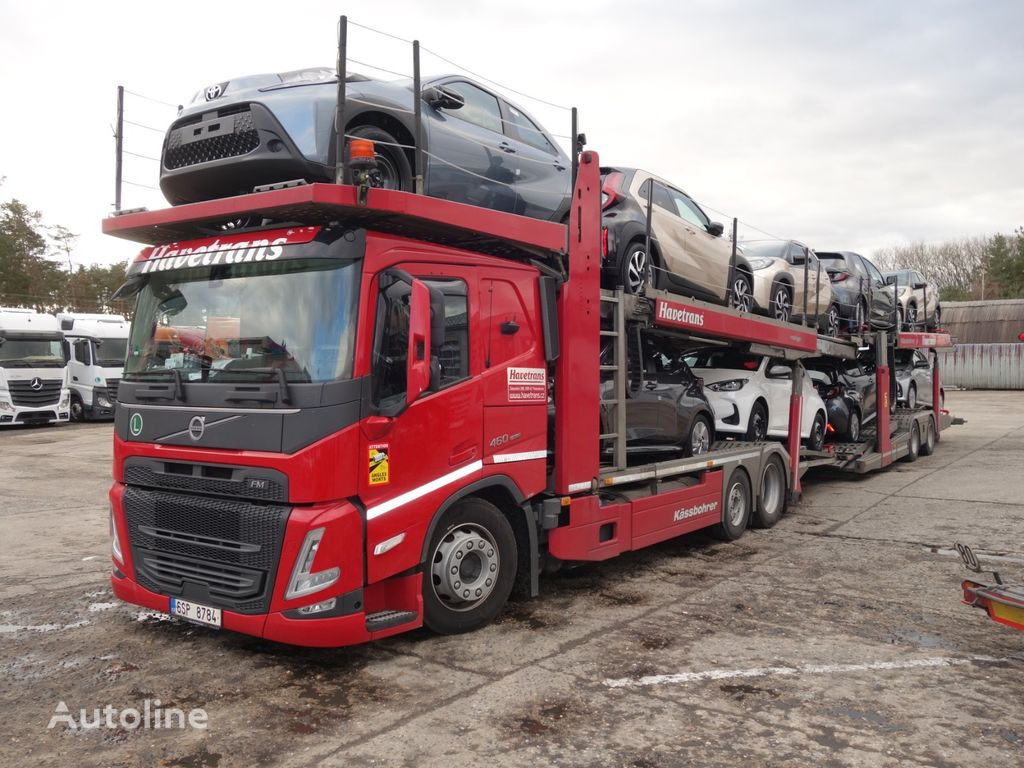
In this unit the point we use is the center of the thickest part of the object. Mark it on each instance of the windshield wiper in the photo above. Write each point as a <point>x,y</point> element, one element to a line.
<point>278,373</point>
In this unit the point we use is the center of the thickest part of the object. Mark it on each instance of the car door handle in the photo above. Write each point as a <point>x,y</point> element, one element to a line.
<point>505,147</point>
<point>691,231</point>
<point>559,167</point>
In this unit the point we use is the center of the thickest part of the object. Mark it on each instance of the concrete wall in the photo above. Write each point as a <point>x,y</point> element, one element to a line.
<point>983,366</point>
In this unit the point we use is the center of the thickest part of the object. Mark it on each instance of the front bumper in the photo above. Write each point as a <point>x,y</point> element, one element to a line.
<point>732,410</point>
<point>46,414</point>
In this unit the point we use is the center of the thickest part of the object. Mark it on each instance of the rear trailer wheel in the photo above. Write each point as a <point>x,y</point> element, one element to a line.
<point>914,447</point>
<point>736,506</point>
<point>699,441</point>
<point>771,500</point>
<point>816,440</point>
<point>757,425</point>
<point>392,162</point>
<point>928,445</point>
<point>471,567</point>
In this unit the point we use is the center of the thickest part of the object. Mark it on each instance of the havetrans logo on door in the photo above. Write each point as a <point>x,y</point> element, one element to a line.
<point>135,424</point>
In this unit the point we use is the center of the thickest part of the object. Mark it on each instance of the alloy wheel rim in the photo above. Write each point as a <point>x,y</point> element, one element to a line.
<point>741,298</point>
<point>912,397</point>
<point>781,304</point>
<point>854,427</point>
<point>911,317</point>
<point>464,567</point>
<point>636,270</point>
<point>760,426</point>
<point>700,441</point>
<point>833,322</point>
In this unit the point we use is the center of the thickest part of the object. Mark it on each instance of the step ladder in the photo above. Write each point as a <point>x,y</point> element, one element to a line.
<point>620,372</point>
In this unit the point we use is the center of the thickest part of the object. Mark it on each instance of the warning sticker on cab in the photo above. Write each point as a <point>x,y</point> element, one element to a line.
<point>527,385</point>
<point>379,469</point>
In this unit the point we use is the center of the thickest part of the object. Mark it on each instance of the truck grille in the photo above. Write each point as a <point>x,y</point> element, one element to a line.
<point>23,394</point>
<point>181,153</point>
<point>207,479</point>
<point>112,389</point>
<point>219,552</point>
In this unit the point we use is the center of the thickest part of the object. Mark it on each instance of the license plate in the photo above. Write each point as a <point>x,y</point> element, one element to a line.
<point>203,614</point>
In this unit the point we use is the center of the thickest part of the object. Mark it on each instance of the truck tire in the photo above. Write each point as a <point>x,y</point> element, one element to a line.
<point>914,446</point>
<point>470,569</point>
<point>928,444</point>
<point>736,506</point>
<point>771,499</point>
<point>77,408</point>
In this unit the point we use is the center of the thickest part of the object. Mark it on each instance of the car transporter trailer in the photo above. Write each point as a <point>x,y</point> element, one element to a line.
<point>186,503</point>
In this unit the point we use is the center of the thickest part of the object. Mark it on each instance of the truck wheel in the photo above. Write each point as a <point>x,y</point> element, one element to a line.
<point>757,425</point>
<point>471,567</point>
<point>736,506</point>
<point>914,448</point>
<point>77,408</point>
<point>771,501</point>
<point>928,445</point>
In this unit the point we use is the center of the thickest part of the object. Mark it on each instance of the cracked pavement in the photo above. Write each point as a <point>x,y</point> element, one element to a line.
<point>834,639</point>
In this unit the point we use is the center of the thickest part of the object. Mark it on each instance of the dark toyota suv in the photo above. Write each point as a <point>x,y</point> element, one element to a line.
<point>267,129</point>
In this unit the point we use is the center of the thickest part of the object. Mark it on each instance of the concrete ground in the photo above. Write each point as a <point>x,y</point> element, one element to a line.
<point>835,639</point>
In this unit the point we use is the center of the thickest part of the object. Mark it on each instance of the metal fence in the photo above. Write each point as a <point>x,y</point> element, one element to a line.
<point>983,366</point>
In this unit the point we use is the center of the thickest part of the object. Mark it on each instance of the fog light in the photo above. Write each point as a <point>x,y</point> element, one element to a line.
<point>323,605</point>
<point>304,581</point>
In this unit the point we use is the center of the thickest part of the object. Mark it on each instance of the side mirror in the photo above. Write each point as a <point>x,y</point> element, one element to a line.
<point>418,360</point>
<point>890,280</point>
<point>779,372</point>
<point>919,286</point>
<point>440,97</point>
<point>716,228</point>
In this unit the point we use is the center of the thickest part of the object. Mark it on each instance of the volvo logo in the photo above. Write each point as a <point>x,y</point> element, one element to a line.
<point>36,383</point>
<point>196,427</point>
<point>214,92</point>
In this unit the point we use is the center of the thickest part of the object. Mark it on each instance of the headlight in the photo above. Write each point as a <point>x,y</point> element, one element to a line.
<point>65,400</point>
<point>732,385</point>
<point>102,402</point>
<point>4,405</point>
<point>760,263</point>
<point>304,581</point>
<point>115,540</point>
<point>314,75</point>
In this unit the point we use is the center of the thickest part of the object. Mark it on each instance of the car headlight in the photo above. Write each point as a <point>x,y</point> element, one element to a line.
<point>732,385</point>
<point>115,540</point>
<point>304,581</point>
<point>102,402</point>
<point>312,75</point>
<point>760,263</point>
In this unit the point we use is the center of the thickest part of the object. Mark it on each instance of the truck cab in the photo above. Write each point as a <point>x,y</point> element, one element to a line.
<point>95,347</point>
<point>33,369</point>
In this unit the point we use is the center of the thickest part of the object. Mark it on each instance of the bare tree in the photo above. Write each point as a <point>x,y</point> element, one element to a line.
<point>957,267</point>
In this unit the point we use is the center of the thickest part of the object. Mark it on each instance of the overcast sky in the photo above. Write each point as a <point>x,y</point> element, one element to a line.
<point>844,124</point>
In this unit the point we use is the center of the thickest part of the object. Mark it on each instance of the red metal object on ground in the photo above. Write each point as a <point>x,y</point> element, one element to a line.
<point>1004,604</point>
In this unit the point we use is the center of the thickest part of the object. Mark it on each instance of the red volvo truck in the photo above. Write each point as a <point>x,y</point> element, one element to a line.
<point>334,423</point>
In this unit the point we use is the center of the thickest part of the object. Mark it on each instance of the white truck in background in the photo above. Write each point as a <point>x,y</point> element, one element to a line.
<point>95,348</point>
<point>33,369</point>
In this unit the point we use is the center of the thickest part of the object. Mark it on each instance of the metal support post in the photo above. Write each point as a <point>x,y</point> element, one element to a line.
<point>118,148</point>
<point>339,114</point>
<point>417,117</point>
<point>796,401</point>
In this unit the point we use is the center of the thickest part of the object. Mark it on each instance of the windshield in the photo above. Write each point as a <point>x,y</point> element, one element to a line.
<point>244,322</point>
<point>766,249</point>
<point>723,358</point>
<point>110,353</point>
<point>31,352</point>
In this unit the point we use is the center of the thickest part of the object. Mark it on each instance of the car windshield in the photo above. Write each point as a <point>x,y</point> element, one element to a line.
<point>110,353</point>
<point>237,322</point>
<point>765,249</point>
<point>723,358</point>
<point>904,276</point>
<point>31,351</point>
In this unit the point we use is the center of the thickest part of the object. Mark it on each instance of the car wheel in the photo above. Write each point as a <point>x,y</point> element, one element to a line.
<point>782,303</point>
<point>833,322</point>
<point>757,425</point>
<point>853,429</point>
<point>736,507</point>
<point>911,317</point>
<point>741,295</point>
<point>860,316</point>
<point>900,322</point>
<point>937,318</point>
<point>77,409</point>
<point>634,268</point>
<point>816,440</point>
<point>912,396</point>
<point>914,446</point>
<point>471,567</point>
<point>928,444</point>
<point>392,162</point>
<point>699,441</point>
<point>771,500</point>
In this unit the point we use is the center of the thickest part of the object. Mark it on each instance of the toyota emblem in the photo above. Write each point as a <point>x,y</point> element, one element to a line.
<point>36,384</point>
<point>196,427</point>
<point>214,92</point>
